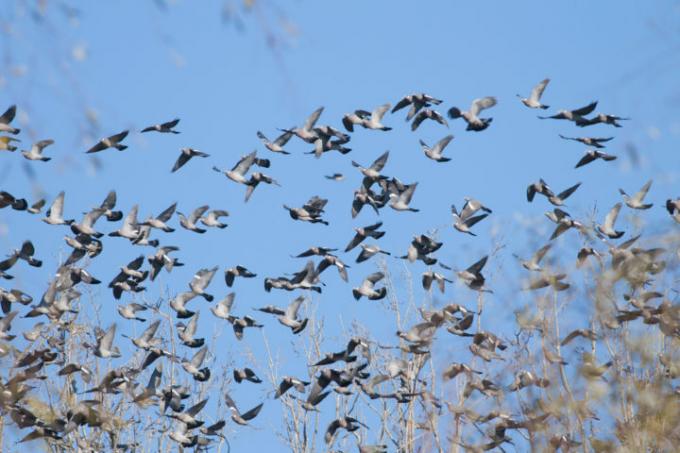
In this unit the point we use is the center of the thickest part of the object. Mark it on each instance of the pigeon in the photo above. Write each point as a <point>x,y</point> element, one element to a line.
<point>241,419</point>
<point>277,145</point>
<point>200,282</point>
<point>463,222</point>
<point>6,143</point>
<point>107,206</point>
<point>186,332</point>
<point>417,101</point>
<point>289,316</point>
<point>533,264</point>
<point>306,132</point>
<point>166,127</point>
<point>637,201</point>
<point>190,222</point>
<point>37,206</point>
<point>363,233</point>
<point>255,179</point>
<point>185,155</point>
<point>534,99</point>
<point>310,211</point>
<point>238,172</point>
<point>130,311</point>
<point>472,276</point>
<point>288,382</point>
<point>104,347</point>
<point>367,251</point>
<point>36,151</point>
<point>592,155</point>
<point>109,142</point>
<point>212,219</point>
<point>335,177</point>
<point>595,142</point>
<point>558,200</point>
<point>607,228</point>
<point>246,374</point>
<point>372,120</point>
<point>130,228</point>
<point>602,118</point>
<point>576,115</point>
<point>86,225</point>
<point>55,214</point>
<point>372,173</point>
<point>347,423</point>
<point>6,118</point>
<point>238,271</point>
<point>399,201</point>
<point>367,288</point>
<point>425,114</point>
<point>435,153</point>
<point>160,220</point>
<point>474,123</point>
<point>431,276</point>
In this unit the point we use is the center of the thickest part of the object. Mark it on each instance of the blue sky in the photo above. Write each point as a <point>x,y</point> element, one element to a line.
<point>146,64</point>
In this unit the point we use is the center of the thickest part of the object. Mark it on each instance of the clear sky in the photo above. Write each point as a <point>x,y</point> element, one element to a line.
<point>134,63</point>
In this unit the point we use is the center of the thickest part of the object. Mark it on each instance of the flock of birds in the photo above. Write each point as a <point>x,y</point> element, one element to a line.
<point>377,190</point>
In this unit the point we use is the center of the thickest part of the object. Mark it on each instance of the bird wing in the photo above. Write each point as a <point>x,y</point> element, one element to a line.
<point>356,240</point>
<point>252,413</point>
<point>181,160</point>
<point>107,340</point>
<point>312,119</point>
<point>379,112</point>
<point>167,213</point>
<point>38,146</point>
<point>199,357</point>
<point>131,219</point>
<point>540,253</point>
<point>202,278</point>
<point>282,139</point>
<point>227,302</point>
<point>170,124</point>
<point>196,408</point>
<point>192,325</point>
<point>57,208</point>
<point>642,193</point>
<point>567,192</point>
<point>585,110</point>
<point>99,146</point>
<point>610,219</point>
<point>537,91</point>
<point>407,194</point>
<point>110,201</point>
<point>198,213</point>
<point>470,221</point>
<point>406,100</point>
<point>443,143</point>
<point>586,159</point>
<point>380,162</point>
<point>478,266</point>
<point>9,114</point>
<point>244,164</point>
<point>419,118</point>
<point>150,331</point>
<point>136,263</point>
<point>294,307</point>
<point>482,103</point>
